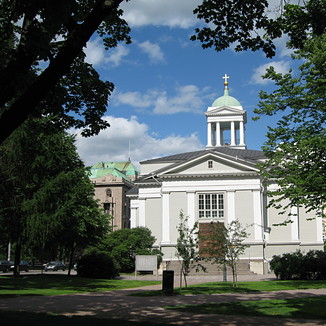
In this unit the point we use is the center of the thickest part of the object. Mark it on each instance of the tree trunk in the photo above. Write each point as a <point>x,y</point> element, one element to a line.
<point>71,259</point>
<point>17,259</point>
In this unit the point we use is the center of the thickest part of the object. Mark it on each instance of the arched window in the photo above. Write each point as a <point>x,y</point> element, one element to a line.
<point>108,192</point>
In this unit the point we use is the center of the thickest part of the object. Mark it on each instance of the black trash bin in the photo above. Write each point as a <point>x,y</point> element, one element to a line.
<point>168,280</point>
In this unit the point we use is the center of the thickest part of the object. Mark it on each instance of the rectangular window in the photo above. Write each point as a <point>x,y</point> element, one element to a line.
<point>211,205</point>
<point>210,164</point>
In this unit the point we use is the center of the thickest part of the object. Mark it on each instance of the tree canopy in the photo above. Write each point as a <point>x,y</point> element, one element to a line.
<point>46,197</point>
<point>253,25</point>
<point>296,147</point>
<point>35,34</point>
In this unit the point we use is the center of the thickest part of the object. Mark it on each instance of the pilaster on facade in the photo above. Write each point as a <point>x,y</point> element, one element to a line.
<point>165,217</point>
<point>230,195</point>
<point>133,216</point>
<point>142,212</point>
<point>258,220</point>
<point>295,223</point>
<point>191,208</point>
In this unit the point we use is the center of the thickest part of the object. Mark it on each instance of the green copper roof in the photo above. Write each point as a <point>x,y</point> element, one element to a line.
<point>226,100</point>
<point>124,170</point>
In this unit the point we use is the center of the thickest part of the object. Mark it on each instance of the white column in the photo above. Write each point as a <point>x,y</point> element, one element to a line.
<point>294,224</point>
<point>142,210</point>
<point>242,135</point>
<point>209,134</point>
<point>218,134</point>
<point>191,207</point>
<point>230,197</point>
<point>232,134</point>
<point>166,217</point>
<point>258,221</point>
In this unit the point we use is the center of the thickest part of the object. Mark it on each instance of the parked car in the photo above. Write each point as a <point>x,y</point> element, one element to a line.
<point>55,266</point>
<point>5,265</point>
<point>23,266</point>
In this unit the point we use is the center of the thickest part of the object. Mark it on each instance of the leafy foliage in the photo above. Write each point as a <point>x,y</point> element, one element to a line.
<point>250,26</point>
<point>124,244</point>
<point>42,67</point>
<point>309,266</point>
<point>97,265</point>
<point>296,147</point>
<point>187,247</point>
<point>46,197</point>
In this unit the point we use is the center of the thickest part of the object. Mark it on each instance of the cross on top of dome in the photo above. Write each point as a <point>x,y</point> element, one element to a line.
<point>226,77</point>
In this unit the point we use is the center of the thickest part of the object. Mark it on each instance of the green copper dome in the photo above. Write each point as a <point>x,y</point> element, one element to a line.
<point>226,100</point>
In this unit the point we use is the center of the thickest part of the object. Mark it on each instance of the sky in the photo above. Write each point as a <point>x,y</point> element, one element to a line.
<point>164,84</point>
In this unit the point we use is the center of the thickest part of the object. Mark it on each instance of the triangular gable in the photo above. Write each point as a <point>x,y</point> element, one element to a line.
<point>224,110</point>
<point>222,164</point>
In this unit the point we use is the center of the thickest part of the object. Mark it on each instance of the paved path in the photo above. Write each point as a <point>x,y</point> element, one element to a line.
<point>117,304</point>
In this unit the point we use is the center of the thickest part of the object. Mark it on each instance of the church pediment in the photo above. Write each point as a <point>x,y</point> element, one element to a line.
<point>225,110</point>
<point>211,164</point>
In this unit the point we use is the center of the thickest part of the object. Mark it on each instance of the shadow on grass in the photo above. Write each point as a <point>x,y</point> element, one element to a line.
<point>305,308</point>
<point>199,289</point>
<point>13,318</point>
<point>49,284</point>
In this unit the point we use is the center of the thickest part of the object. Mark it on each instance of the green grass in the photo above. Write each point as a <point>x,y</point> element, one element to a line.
<point>14,318</point>
<point>243,287</point>
<point>306,308</point>
<point>50,284</point>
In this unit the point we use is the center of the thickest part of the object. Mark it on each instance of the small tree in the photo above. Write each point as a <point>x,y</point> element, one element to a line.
<point>224,245</point>
<point>187,247</point>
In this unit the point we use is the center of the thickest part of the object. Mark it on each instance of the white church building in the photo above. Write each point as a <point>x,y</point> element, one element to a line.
<point>220,183</point>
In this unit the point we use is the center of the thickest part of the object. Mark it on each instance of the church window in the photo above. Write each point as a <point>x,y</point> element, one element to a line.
<point>210,164</point>
<point>211,206</point>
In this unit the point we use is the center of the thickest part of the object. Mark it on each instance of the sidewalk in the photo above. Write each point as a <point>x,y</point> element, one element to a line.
<point>119,305</point>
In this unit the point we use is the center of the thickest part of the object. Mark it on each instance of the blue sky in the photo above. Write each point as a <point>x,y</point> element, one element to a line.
<point>164,84</point>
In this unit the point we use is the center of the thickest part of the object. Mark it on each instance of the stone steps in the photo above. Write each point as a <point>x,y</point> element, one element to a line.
<point>212,269</point>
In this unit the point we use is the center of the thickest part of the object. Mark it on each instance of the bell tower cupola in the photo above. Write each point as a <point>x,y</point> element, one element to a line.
<point>226,121</point>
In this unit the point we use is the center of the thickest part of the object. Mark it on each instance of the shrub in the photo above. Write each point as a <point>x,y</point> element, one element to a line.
<point>97,265</point>
<point>310,266</point>
<point>123,245</point>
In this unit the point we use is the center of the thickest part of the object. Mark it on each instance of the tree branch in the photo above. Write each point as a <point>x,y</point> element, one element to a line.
<point>19,110</point>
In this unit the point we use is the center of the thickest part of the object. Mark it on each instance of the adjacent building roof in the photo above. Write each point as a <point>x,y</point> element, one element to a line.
<point>125,170</point>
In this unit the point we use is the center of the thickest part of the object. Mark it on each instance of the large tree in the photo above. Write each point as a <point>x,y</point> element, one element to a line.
<point>46,195</point>
<point>296,147</point>
<point>54,33</point>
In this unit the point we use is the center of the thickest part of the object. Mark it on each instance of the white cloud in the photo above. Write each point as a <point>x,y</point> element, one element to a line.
<point>188,98</point>
<point>97,55</point>
<point>160,12</point>
<point>95,52</point>
<point>279,66</point>
<point>112,144</point>
<point>153,50</point>
<point>117,54</point>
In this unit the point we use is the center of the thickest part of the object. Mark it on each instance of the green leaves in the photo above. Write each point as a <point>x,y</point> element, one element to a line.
<point>296,147</point>
<point>249,25</point>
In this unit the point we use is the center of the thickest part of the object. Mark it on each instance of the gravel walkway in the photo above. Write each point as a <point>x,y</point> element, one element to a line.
<point>117,304</point>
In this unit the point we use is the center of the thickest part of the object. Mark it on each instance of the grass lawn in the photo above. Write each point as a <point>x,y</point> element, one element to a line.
<point>306,308</point>
<point>49,284</point>
<point>243,287</point>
